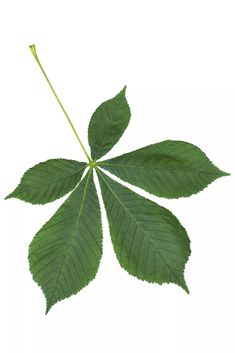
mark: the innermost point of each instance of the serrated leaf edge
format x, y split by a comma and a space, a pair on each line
48, 307
12, 194
182, 282
217, 176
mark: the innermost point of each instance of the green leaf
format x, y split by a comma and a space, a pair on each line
168, 169
48, 181
107, 124
65, 254
148, 240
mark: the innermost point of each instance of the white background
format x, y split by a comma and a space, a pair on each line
178, 61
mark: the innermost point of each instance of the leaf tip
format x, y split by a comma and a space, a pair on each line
10, 196
186, 289
184, 286
49, 303
48, 308
123, 90
225, 173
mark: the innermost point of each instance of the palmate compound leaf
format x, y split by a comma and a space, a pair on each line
48, 181
169, 169
148, 240
107, 124
64, 255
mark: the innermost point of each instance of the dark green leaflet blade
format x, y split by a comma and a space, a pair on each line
48, 181
148, 240
64, 255
168, 169
107, 125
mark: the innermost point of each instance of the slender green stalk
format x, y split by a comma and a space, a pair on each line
33, 51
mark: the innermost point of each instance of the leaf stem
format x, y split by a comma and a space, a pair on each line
33, 51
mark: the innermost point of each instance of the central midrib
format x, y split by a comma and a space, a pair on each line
156, 169
64, 177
